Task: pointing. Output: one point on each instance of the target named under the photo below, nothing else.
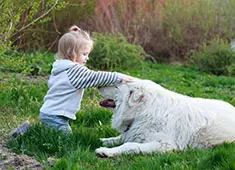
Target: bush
(26, 63)
(112, 52)
(171, 29)
(44, 35)
(217, 57)
(18, 17)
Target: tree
(17, 16)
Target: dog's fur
(151, 118)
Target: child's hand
(127, 79)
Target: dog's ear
(135, 97)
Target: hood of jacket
(61, 65)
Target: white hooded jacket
(66, 86)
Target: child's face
(83, 57)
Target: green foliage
(38, 24)
(17, 15)
(171, 29)
(30, 63)
(188, 24)
(12, 61)
(44, 35)
(111, 52)
(19, 94)
(217, 57)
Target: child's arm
(82, 77)
(125, 78)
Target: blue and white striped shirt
(81, 77)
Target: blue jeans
(58, 122)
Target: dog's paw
(105, 152)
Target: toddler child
(69, 77)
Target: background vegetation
(184, 45)
(168, 30)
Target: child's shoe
(20, 130)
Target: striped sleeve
(81, 77)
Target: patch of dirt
(10, 160)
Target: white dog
(151, 119)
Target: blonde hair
(71, 43)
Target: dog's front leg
(135, 148)
(112, 141)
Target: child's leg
(58, 122)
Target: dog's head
(126, 100)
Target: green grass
(21, 98)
